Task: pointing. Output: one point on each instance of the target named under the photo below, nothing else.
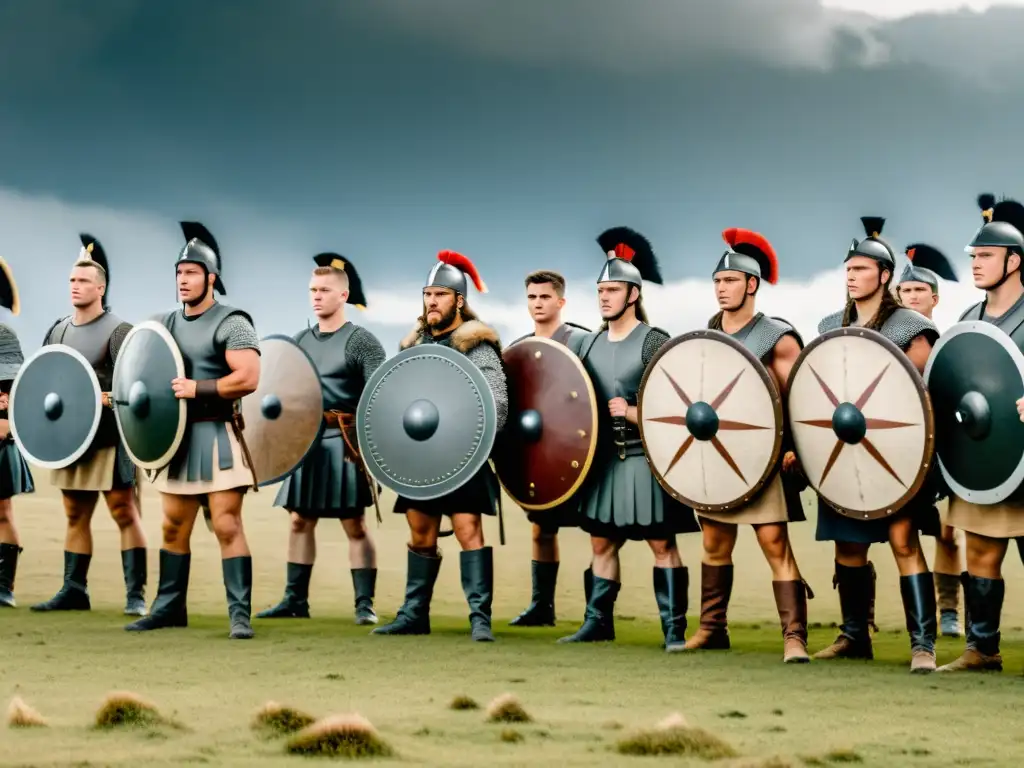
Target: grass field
(582, 699)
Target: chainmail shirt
(237, 333)
(117, 339)
(362, 350)
(654, 341)
(484, 357)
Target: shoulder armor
(905, 324)
(577, 325)
(831, 322)
(659, 330)
(516, 341)
(971, 310)
(788, 327)
(52, 328)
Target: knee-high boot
(598, 624)
(8, 569)
(170, 608)
(918, 592)
(671, 590)
(856, 589)
(413, 618)
(477, 571)
(715, 592)
(983, 608)
(295, 603)
(541, 611)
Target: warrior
(749, 260)
(447, 319)
(918, 289)
(332, 481)
(220, 348)
(996, 253)
(97, 333)
(621, 499)
(870, 264)
(545, 297)
(15, 475)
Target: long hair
(638, 307)
(885, 310)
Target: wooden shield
(711, 421)
(544, 453)
(861, 421)
(284, 416)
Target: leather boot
(948, 587)
(133, 563)
(541, 611)
(477, 568)
(413, 618)
(364, 584)
(671, 589)
(588, 589)
(791, 602)
(238, 589)
(918, 592)
(599, 622)
(8, 568)
(983, 603)
(715, 591)
(874, 590)
(295, 603)
(170, 608)
(856, 591)
(74, 594)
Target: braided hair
(885, 310)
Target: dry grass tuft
(675, 740)
(511, 736)
(345, 736)
(507, 709)
(277, 719)
(126, 709)
(21, 715)
(463, 703)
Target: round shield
(975, 375)
(55, 406)
(861, 421)
(544, 453)
(284, 416)
(426, 422)
(711, 422)
(150, 418)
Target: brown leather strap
(238, 425)
(347, 422)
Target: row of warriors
(622, 501)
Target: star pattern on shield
(865, 442)
(723, 424)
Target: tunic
(621, 498)
(15, 475)
(902, 327)
(481, 495)
(779, 500)
(1006, 519)
(331, 481)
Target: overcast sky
(513, 132)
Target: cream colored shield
(711, 421)
(861, 422)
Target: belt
(346, 422)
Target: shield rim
(591, 450)
(320, 431)
(490, 431)
(1005, 489)
(929, 421)
(179, 362)
(67, 461)
(777, 409)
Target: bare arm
(242, 354)
(787, 350)
(919, 351)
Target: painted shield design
(861, 421)
(975, 375)
(426, 422)
(150, 419)
(711, 421)
(55, 407)
(545, 451)
(284, 416)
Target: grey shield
(55, 407)
(975, 375)
(426, 422)
(150, 418)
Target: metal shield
(55, 407)
(544, 453)
(150, 419)
(711, 421)
(975, 375)
(426, 422)
(284, 416)
(861, 421)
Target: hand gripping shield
(150, 419)
(975, 375)
(55, 407)
(861, 421)
(426, 422)
(545, 451)
(710, 419)
(284, 416)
